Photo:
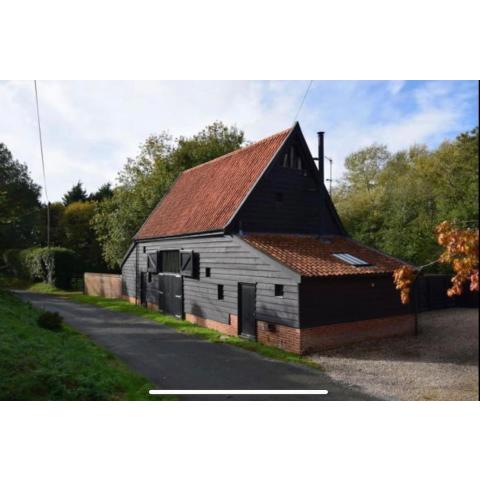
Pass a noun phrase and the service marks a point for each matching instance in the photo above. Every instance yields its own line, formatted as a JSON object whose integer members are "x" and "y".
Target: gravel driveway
{"x": 441, "y": 363}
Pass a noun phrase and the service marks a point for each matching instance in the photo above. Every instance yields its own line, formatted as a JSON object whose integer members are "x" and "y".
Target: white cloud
{"x": 371, "y": 112}
{"x": 91, "y": 127}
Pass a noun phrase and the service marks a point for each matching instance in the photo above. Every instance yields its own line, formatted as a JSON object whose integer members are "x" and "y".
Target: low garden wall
{"x": 107, "y": 285}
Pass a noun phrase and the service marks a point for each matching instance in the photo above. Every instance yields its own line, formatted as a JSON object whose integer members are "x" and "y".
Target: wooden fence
{"x": 103, "y": 284}
{"x": 432, "y": 294}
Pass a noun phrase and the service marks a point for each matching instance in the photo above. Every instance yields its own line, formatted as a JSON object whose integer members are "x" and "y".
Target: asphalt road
{"x": 173, "y": 360}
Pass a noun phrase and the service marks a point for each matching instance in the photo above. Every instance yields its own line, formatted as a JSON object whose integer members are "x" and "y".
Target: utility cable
{"x": 43, "y": 163}
{"x": 303, "y": 100}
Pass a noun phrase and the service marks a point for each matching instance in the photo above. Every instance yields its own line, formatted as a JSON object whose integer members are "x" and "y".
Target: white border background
{"x": 213, "y": 39}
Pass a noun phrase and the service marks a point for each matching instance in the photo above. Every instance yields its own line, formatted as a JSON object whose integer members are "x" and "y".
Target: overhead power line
{"x": 303, "y": 101}
{"x": 43, "y": 163}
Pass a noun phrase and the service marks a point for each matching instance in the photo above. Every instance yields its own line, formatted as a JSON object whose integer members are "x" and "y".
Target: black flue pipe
{"x": 321, "y": 156}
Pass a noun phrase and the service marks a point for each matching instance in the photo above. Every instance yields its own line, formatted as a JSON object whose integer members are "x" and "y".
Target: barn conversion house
{"x": 250, "y": 244}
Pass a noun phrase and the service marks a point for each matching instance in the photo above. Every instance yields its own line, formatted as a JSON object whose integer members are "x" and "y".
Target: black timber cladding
{"x": 288, "y": 199}
{"x": 348, "y": 298}
{"x": 231, "y": 261}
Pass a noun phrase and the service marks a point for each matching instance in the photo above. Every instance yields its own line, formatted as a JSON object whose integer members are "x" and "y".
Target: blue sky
{"x": 91, "y": 127}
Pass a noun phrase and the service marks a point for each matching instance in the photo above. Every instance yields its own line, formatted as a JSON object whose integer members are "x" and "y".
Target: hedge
{"x": 56, "y": 266}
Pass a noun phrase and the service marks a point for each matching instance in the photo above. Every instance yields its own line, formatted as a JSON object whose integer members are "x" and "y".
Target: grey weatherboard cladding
{"x": 230, "y": 261}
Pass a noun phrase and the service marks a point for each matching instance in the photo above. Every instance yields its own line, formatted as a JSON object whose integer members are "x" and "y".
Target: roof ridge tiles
{"x": 241, "y": 149}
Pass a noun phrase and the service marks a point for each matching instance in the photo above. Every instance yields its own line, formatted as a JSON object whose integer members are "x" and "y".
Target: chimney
{"x": 321, "y": 156}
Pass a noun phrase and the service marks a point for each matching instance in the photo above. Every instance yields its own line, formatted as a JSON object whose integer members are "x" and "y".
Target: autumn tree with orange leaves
{"x": 460, "y": 251}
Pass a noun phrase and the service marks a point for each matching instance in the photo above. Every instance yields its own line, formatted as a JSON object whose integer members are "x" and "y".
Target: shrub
{"x": 56, "y": 265}
{"x": 11, "y": 258}
{"x": 50, "y": 320}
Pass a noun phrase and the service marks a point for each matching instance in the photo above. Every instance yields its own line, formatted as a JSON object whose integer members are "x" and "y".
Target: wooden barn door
{"x": 170, "y": 294}
{"x": 246, "y": 309}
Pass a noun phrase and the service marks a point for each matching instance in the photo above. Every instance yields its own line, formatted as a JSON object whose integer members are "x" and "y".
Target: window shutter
{"x": 186, "y": 263}
{"x": 152, "y": 262}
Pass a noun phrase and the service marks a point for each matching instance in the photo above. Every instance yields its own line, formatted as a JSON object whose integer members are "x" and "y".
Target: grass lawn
{"x": 183, "y": 326}
{"x": 39, "y": 364}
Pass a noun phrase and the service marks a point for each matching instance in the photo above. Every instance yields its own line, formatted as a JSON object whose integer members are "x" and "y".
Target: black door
{"x": 170, "y": 294}
{"x": 143, "y": 288}
{"x": 246, "y": 309}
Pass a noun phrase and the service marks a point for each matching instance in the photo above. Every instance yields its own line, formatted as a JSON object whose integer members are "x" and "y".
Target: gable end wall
{"x": 305, "y": 207}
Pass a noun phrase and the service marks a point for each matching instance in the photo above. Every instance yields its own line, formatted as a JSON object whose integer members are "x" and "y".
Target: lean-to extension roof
{"x": 312, "y": 256}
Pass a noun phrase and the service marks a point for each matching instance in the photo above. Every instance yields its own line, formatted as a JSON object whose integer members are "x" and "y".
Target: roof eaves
{"x": 182, "y": 235}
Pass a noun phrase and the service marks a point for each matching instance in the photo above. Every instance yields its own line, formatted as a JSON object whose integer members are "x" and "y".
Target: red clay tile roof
{"x": 206, "y": 197}
{"x": 311, "y": 256}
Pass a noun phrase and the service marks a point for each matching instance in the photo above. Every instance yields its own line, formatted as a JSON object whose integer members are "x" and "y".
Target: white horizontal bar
{"x": 238, "y": 392}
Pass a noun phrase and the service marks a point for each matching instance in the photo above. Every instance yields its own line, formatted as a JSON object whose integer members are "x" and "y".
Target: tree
{"x": 459, "y": 250}
{"x": 19, "y": 202}
{"x": 76, "y": 194}
{"x": 104, "y": 191}
{"x": 145, "y": 179}
{"x": 364, "y": 167}
{"x": 213, "y": 141}
{"x": 394, "y": 201}
{"x": 79, "y": 235}
{"x": 57, "y": 237}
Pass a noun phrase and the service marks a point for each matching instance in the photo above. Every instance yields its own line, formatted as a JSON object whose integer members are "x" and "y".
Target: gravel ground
{"x": 440, "y": 363}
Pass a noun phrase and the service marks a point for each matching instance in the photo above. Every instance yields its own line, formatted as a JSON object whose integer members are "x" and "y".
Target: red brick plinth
{"x": 230, "y": 328}
{"x": 307, "y": 340}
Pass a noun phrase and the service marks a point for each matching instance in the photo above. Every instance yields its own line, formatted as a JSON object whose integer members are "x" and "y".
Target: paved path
{"x": 173, "y": 360}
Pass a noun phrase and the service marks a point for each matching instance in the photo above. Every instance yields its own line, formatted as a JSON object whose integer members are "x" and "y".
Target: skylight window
{"x": 351, "y": 260}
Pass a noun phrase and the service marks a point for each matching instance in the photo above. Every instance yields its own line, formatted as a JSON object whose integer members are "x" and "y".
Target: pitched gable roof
{"x": 311, "y": 256}
{"x": 205, "y": 198}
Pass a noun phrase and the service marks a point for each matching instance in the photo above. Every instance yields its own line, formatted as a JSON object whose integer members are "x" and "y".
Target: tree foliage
{"x": 56, "y": 265}
{"x": 19, "y": 202}
{"x": 104, "y": 191}
{"x": 76, "y": 194}
{"x": 144, "y": 180}
{"x": 459, "y": 250}
{"x": 78, "y": 233}
{"x": 395, "y": 201}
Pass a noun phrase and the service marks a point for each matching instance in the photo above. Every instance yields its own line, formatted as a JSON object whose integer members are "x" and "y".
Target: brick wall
{"x": 328, "y": 336}
{"x": 286, "y": 338}
{"x": 103, "y": 285}
{"x": 230, "y": 328}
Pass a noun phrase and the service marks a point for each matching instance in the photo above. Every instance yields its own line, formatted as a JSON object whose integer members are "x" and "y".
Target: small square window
{"x": 220, "y": 292}
{"x": 208, "y": 272}
{"x": 279, "y": 290}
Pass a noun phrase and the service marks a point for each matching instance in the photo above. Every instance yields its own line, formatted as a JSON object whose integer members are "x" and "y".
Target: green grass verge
{"x": 118, "y": 305}
{"x": 38, "y": 364}
{"x": 13, "y": 282}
